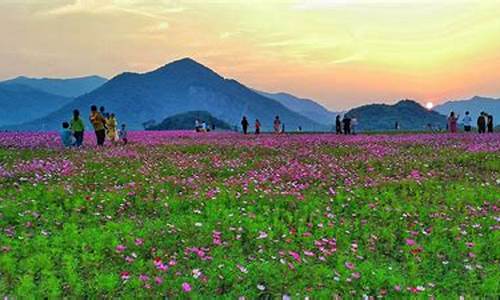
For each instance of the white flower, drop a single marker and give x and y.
(261, 287)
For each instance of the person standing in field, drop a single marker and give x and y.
(347, 124)
(481, 123)
(111, 125)
(467, 120)
(354, 123)
(257, 126)
(277, 124)
(489, 123)
(244, 125)
(66, 136)
(99, 123)
(338, 125)
(452, 122)
(77, 127)
(123, 134)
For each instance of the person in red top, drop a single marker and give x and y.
(257, 126)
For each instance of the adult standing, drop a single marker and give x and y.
(481, 123)
(467, 120)
(489, 123)
(257, 126)
(277, 124)
(77, 127)
(338, 125)
(452, 122)
(244, 125)
(347, 124)
(111, 125)
(98, 122)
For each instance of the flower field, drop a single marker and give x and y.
(185, 215)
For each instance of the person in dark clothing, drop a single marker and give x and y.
(396, 125)
(489, 123)
(244, 125)
(347, 125)
(257, 126)
(338, 125)
(481, 123)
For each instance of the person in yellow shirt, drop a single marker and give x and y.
(99, 124)
(111, 125)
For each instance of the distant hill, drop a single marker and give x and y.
(186, 121)
(409, 114)
(306, 107)
(474, 105)
(178, 87)
(19, 103)
(72, 87)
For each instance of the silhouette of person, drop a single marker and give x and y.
(257, 126)
(338, 125)
(244, 125)
(489, 123)
(481, 123)
(277, 124)
(347, 124)
(452, 122)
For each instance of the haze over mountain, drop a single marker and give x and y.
(186, 121)
(178, 87)
(71, 87)
(306, 107)
(474, 105)
(19, 103)
(409, 114)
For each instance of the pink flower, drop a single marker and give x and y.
(120, 248)
(349, 265)
(295, 256)
(139, 242)
(158, 280)
(356, 275)
(410, 242)
(469, 244)
(124, 275)
(186, 287)
(143, 277)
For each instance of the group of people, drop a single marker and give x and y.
(346, 125)
(201, 126)
(484, 122)
(278, 126)
(105, 126)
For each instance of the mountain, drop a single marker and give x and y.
(19, 103)
(186, 121)
(409, 114)
(71, 88)
(178, 87)
(306, 107)
(474, 105)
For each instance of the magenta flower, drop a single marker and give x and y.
(120, 248)
(186, 287)
(139, 242)
(410, 242)
(158, 280)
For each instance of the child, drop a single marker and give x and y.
(123, 134)
(77, 127)
(66, 136)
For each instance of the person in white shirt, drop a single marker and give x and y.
(203, 126)
(467, 120)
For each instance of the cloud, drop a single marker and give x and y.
(154, 10)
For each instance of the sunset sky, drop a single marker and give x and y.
(341, 53)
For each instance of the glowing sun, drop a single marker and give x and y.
(429, 105)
